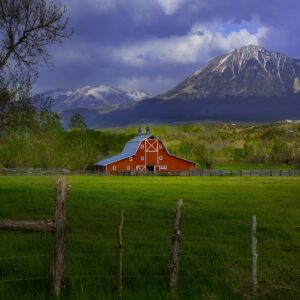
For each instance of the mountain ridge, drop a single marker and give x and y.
(102, 97)
(248, 84)
(247, 71)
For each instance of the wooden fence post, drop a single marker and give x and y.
(57, 268)
(120, 246)
(175, 241)
(254, 256)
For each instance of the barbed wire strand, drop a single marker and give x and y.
(126, 255)
(24, 279)
(154, 238)
(184, 222)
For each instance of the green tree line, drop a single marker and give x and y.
(46, 144)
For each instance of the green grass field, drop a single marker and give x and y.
(215, 248)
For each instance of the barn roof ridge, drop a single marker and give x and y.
(129, 150)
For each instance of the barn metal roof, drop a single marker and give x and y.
(130, 149)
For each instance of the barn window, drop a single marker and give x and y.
(128, 168)
(114, 168)
(130, 158)
(160, 146)
(142, 158)
(163, 167)
(160, 158)
(142, 146)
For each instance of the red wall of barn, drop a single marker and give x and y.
(143, 158)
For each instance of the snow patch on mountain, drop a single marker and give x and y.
(138, 95)
(296, 85)
(100, 97)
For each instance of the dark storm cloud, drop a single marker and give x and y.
(154, 44)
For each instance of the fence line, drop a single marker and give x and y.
(153, 238)
(55, 227)
(24, 256)
(242, 172)
(176, 253)
(24, 279)
(211, 257)
(126, 276)
(185, 222)
(219, 258)
(147, 277)
(159, 238)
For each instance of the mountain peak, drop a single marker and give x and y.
(247, 71)
(250, 47)
(252, 51)
(89, 97)
(138, 95)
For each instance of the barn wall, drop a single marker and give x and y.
(160, 158)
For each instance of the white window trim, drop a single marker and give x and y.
(163, 167)
(114, 168)
(142, 146)
(128, 168)
(130, 158)
(160, 158)
(142, 158)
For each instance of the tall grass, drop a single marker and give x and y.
(215, 249)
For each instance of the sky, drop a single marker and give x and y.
(154, 44)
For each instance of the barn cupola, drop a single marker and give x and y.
(148, 130)
(140, 130)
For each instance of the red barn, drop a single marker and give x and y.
(145, 152)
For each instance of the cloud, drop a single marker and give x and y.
(152, 44)
(149, 84)
(70, 55)
(170, 6)
(194, 47)
(100, 6)
(238, 39)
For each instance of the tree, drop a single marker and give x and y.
(15, 110)
(48, 144)
(205, 156)
(27, 29)
(77, 122)
(83, 148)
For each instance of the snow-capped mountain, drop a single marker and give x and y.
(249, 84)
(100, 98)
(138, 95)
(246, 71)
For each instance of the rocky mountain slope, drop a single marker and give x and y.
(246, 71)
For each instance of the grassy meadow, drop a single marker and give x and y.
(216, 237)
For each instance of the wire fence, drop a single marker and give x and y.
(151, 238)
(201, 238)
(241, 172)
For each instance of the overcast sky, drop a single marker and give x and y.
(154, 44)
